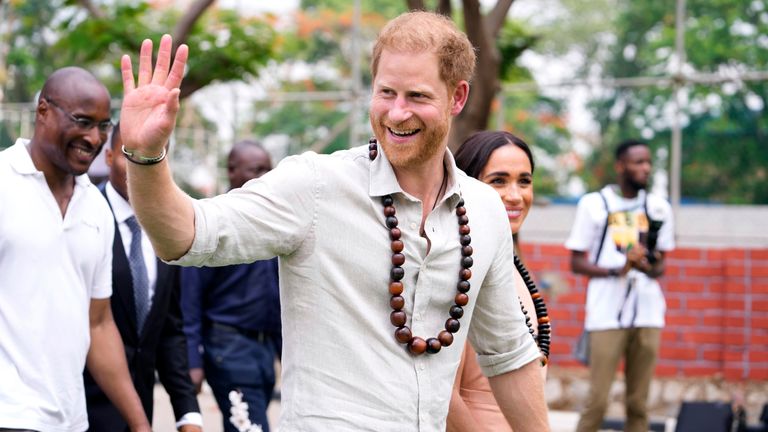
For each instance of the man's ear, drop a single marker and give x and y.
(108, 155)
(459, 97)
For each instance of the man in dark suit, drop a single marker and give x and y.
(145, 305)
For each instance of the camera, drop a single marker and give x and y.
(649, 239)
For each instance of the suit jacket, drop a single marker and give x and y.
(161, 345)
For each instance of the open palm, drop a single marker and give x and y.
(149, 106)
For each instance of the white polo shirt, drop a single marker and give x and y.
(50, 269)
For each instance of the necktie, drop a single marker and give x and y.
(139, 273)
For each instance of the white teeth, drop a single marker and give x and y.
(406, 132)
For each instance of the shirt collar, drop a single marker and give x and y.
(21, 162)
(384, 182)
(120, 206)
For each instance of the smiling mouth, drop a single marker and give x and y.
(404, 132)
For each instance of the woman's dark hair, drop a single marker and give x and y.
(473, 154)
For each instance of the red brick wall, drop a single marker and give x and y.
(717, 310)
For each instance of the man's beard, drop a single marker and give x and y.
(416, 153)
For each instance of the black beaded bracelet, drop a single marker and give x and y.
(141, 160)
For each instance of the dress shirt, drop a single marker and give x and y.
(122, 211)
(342, 367)
(244, 296)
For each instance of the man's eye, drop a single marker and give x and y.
(83, 123)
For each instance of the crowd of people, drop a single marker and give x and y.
(402, 303)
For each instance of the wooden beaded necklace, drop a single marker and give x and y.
(542, 318)
(398, 318)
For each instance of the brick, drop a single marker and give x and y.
(734, 269)
(679, 353)
(698, 371)
(760, 305)
(686, 286)
(758, 254)
(713, 320)
(560, 314)
(758, 373)
(735, 321)
(735, 254)
(669, 336)
(573, 298)
(735, 305)
(708, 271)
(732, 338)
(734, 374)
(733, 287)
(555, 251)
(759, 271)
(686, 254)
(757, 339)
(759, 288)
(682, 320)
(714, 355)
(702, 304)
(734, 356)
(759, 322)
(758, 356)
(673, 302)
(568, 330)
(666, 370)
(715, 288)
(703, 337)
(711, 255)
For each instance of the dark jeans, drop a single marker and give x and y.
(234, 361)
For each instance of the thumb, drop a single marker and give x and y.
(172, 102)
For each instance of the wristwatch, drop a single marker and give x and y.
(613, 272)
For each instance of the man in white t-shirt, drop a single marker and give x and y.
(619, 239)
(56, 266)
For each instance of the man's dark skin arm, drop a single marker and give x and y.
(636, 258)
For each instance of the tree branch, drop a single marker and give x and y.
(498, 16)
(91, 8)
(184, 26)
(416, 5)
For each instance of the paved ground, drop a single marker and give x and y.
(560, 421)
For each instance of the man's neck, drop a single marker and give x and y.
(61, 184)
(427, 183)
(628, 191)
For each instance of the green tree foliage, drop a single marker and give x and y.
(50, 34)
(725, 156)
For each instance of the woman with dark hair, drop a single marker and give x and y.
(504, 162)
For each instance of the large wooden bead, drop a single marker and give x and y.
(465, 239)
(397, 302)
(396, 273)
(467, 262)
(460, 203)
(372, 154)
(417, 345)
(397, 318)
(456, 311)
(391, 222)
(461, 211)
(389, 211)
(452, 325)
(433, 345)
(461, 299)
(445, 337)
(395, 288)
(394, 235)
(466, 250)
(403, 334)
(463, 286)
(463, 229)
(465, 274)
(463, 220)
(387, 200)
(397, 245)
(398, 259)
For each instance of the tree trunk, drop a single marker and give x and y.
(482, 32)
(184, 26)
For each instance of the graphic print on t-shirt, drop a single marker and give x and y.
(625, 228)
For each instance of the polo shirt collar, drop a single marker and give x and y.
(21, 162)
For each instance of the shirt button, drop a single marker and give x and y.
(414, 226)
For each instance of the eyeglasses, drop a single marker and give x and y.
(84, 123)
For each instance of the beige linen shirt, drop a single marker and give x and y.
(343, 370)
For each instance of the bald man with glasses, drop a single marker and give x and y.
(56, 233)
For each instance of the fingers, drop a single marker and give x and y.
(127, 70)
(163, 60)
(145, 62)
(177, 70)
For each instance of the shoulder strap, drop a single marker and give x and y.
(605, 227)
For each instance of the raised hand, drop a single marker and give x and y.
(149, 107)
